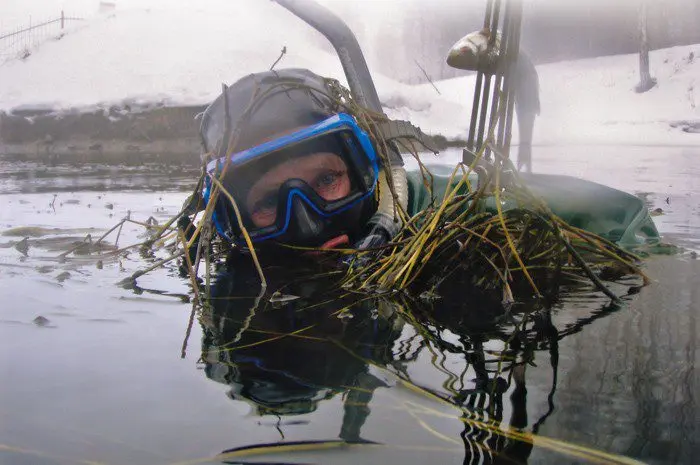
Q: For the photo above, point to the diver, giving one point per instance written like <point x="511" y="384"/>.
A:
<point x="300" y="169"/>
<point x="300" y="172"/>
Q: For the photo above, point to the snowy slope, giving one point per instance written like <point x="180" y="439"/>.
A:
<point x="158" y="55"/>
<point x="593" y="101"/>
<point x="151" y="55"/>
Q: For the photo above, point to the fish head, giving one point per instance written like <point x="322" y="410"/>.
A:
<point x="474" y="52"/>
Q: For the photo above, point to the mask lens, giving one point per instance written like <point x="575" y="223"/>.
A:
<point x="324" y="173"/>
<point x="328" y="171"/>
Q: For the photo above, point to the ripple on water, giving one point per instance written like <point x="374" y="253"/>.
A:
<point x="617" y="377"/>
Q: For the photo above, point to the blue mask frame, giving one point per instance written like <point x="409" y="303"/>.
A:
<point x="361" y="156"/>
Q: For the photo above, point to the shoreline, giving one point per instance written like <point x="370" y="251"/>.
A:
<point x="167" y="134"/>
<point x="116" y="134"/>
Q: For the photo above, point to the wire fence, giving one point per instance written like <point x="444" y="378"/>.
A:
<point x="20" y="42"/>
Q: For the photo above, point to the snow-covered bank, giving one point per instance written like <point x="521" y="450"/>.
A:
<point x="177" y="57"/>
<point x="593" y="101"/>
<point x="157" y="56"/>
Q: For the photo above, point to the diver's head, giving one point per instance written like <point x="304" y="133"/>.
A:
<point x="300" y="169"/>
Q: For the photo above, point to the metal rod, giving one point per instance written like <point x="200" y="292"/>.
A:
<point x="515" y="51"/>
<point x="482" y="91"/>
<point x="494" y="22"/>
<point x="497" y="107"/>
<point x="504" y="70"/>
<point x="487" y="86"/>
<point x="345" y="44"/>
<point x="475" y="112"/>
<point x="483" y="111"/>
<point x="471" y="143"/>
<point x="489" y="12"/>
<point x="349" y="52"/>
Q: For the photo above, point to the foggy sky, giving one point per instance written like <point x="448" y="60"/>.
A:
<point x="14" y="13"/>
<point x="394" y="34"/>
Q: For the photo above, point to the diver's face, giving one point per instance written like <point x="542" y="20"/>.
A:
<point x="326" y="173"/>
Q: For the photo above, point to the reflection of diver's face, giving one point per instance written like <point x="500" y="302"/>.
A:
<point x="319" y="356"/>
<point x="326" y="173"/>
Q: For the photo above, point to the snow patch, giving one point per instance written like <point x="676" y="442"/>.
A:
<point x="155" y="57"/>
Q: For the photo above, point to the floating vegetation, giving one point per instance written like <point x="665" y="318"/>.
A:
<point x="488" y="230"/>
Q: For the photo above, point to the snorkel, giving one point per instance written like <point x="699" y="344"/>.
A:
<point x="363" y="91"/>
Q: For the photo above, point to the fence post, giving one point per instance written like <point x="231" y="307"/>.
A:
<point x="63" y="18"/>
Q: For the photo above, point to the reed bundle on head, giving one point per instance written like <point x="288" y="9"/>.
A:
<point x="491" y="230"/>
<point x="487" y="228"/>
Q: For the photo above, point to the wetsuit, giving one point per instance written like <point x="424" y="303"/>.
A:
<point x="610" y="213"/>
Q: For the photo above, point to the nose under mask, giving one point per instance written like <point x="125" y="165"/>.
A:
<point x="307" y="227"/>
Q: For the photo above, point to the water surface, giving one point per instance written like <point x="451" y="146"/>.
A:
<point x="102" y="379"/>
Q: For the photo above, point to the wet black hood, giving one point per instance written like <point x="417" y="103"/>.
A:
<point x="264" y="104"/>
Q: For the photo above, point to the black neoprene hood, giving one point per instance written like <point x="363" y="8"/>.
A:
<point x="265" y="104"/>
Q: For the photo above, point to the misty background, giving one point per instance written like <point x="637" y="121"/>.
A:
<point x="552" y="30"/>
<point x="397" y="35"/>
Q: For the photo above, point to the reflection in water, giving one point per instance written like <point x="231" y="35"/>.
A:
<point x="287" y="358"/>
<point x="621" y="381"/>
<point x="30" y="177"/>
<point x="641" y="376"/>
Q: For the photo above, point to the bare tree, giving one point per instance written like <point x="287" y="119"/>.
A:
<point x="646" y="82"/>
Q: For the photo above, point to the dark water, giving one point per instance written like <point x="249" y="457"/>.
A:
<point x="101" y="380"/>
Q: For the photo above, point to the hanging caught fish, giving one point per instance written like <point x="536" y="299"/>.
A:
<point x="476" y="51"/>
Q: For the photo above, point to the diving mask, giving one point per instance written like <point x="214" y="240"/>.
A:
<point x="300" y="188"/>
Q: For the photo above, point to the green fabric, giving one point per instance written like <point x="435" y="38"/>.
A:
<point x="610" y="213"/>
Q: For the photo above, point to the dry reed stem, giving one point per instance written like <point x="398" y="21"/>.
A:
<point x="509" y="239"/>
<point x="249" y="243"/>
<point x="190" y="270"/>
<point x="155" y="266"/>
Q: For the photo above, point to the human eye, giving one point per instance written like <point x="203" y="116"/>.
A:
<point x="264" y="210"/>
<point x="329" y="178"/>
<point x="332" y="184"/>
<point x="268" y="202"/>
